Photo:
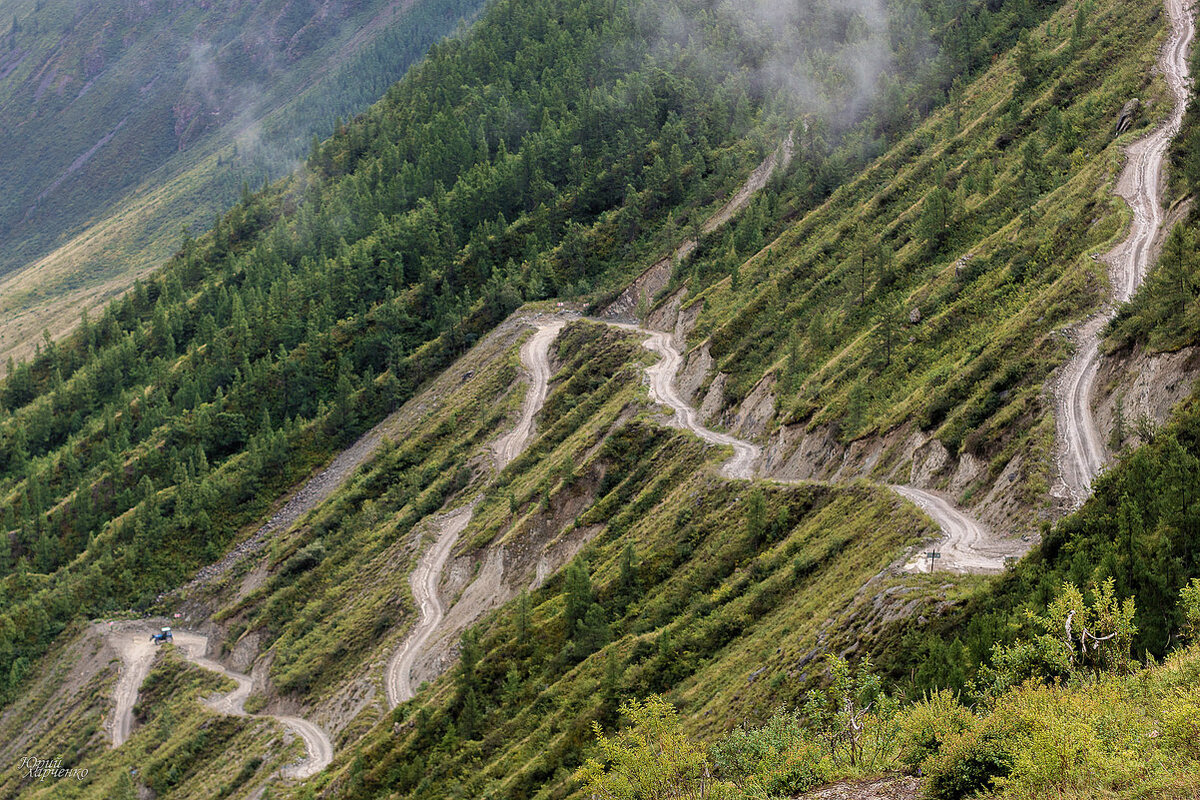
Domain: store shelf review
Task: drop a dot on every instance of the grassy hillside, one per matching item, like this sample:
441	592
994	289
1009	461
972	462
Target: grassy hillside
929	291
124	122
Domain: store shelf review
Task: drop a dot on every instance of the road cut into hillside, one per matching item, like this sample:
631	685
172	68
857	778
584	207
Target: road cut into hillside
398	680
137	654
968	545
1081	452
535	360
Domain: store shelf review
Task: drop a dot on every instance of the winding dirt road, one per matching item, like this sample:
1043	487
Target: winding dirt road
744	463
535	358
1081	445
398	680
137	654
968	545
316	741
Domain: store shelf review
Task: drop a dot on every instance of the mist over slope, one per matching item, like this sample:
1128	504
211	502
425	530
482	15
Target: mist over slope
123	122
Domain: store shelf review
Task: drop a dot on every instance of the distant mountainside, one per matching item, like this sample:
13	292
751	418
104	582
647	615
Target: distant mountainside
121	122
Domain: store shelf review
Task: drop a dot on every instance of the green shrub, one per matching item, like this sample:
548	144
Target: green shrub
304	560
1180	722
928	725
651	758
1072	742
781	757
968	763
1189	605
799	769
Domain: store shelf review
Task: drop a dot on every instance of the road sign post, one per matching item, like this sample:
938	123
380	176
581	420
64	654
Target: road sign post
931	555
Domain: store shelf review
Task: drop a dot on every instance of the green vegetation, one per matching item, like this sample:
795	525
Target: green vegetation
262	347
1084	731
677	585
713	616
926	291
1164	315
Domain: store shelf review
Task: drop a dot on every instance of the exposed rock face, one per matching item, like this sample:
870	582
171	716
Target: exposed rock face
714	400
647	285
665	315
1128	115
1146	387
757	411
799	454
929	461
696	366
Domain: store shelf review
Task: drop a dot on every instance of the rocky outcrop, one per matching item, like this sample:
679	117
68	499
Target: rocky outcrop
696	366
1128	115
642	291
1144	388
757	411
714	399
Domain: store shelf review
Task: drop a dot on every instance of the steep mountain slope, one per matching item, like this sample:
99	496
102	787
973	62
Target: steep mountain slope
144	445
1081	443
124	122
905	329
317	306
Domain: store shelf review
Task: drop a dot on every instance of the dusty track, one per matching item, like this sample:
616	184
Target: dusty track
968	546
424	579
535	358
320	748
753	185
1081	444
536	361
137	654
657	275
755	182
743	464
